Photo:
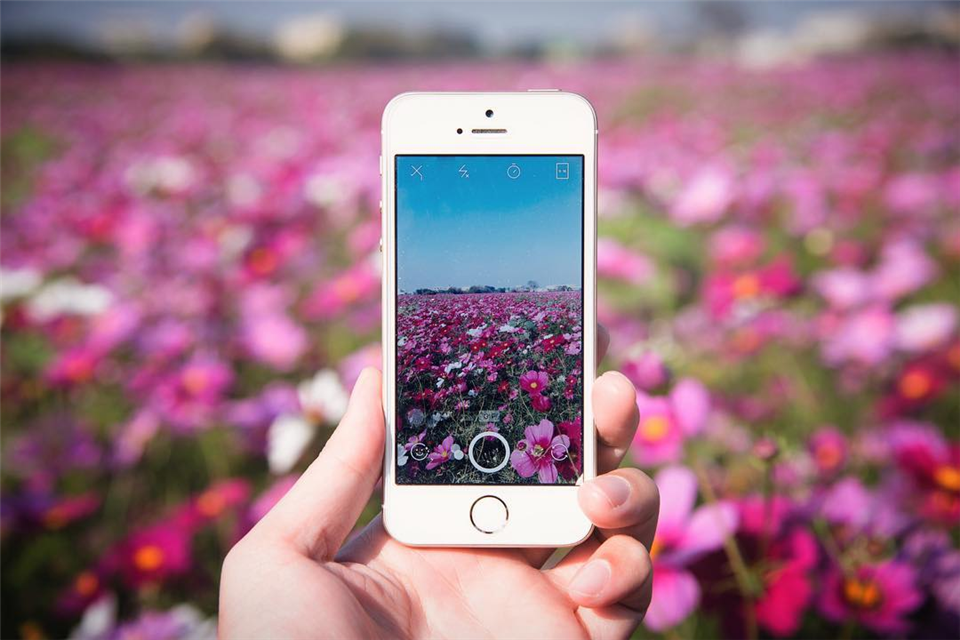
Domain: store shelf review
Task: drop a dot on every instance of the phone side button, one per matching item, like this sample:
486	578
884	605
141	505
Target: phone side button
489	514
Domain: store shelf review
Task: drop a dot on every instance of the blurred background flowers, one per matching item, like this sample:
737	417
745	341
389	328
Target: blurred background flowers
190	286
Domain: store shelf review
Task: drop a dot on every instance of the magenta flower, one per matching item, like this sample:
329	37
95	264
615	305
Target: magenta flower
665	422
443	452
646	371
683	536
828	448
535	453
154	554
878	596
534	382
540	402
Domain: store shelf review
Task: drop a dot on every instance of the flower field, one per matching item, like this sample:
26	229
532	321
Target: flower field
190	286
502	363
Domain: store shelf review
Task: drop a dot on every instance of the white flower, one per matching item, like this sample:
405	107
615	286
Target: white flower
287	439
323	398
924	326
453	365
69	296
401	455
475	333
167	174
16	283
98	619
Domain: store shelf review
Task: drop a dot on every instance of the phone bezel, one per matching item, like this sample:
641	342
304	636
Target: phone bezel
536	123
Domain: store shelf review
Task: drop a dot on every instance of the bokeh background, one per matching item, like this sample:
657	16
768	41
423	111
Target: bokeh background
190	286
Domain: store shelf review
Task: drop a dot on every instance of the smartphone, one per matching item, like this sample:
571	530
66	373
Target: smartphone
489	317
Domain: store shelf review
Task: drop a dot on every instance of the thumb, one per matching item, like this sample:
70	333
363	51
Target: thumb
322	507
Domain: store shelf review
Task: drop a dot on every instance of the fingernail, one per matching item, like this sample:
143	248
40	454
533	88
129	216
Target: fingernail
592	578
616	489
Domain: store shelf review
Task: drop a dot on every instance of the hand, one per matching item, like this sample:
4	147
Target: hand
290	577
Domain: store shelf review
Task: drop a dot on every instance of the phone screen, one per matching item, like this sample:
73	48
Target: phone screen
489	282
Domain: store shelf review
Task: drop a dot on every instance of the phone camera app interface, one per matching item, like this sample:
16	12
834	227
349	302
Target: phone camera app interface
489	319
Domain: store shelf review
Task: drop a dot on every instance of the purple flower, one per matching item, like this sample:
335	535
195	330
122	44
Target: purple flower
878	596
535	453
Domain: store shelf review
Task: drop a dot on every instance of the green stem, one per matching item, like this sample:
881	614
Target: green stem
746	581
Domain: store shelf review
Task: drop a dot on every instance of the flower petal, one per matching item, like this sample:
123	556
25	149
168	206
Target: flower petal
678	491
675	596
707	528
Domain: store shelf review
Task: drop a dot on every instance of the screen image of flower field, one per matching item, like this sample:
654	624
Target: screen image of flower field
508	364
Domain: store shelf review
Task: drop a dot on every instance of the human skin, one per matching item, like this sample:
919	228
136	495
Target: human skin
292	576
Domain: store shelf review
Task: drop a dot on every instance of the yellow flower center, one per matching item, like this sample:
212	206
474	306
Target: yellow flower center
538	450
55	517
263	261
194	380
828	455
654	428
953	356
533	385
746	286
948	477
86	583
211	504
346	289
915	385
863	594
148	558
655	548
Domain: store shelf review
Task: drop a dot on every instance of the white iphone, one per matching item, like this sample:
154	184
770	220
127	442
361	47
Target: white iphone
489	317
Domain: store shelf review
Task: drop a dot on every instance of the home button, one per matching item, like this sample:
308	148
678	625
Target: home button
489	514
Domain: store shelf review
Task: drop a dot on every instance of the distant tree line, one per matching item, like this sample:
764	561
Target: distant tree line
529	287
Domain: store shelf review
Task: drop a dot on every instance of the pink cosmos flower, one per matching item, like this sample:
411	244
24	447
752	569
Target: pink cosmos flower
842	288
335	295
788	587
705	197
534	382
736	245
828	448
220	498
189	397
683	536
444	452
86	586
878	596
617	262
154	554
646	371
864	337
535	453
666	421
540	402
904	268
931	465
723	291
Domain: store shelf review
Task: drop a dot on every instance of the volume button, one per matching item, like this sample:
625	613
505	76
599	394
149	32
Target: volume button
380	164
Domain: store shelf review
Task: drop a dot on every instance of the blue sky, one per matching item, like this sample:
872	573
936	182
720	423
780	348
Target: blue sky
493	23
487	229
